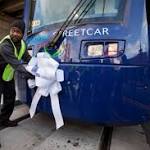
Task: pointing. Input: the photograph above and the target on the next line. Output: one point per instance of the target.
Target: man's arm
(26, 57)
(7, 52)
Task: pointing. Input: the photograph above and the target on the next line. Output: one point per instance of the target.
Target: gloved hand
(27, 75)
(24, 73)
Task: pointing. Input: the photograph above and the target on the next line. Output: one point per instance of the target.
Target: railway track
(105, 139)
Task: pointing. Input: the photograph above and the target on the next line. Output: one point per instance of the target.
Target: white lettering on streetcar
(86, 32)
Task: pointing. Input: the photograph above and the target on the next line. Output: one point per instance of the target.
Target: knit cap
(19, 24)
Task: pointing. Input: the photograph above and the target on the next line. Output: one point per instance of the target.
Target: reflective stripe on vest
(8, 73)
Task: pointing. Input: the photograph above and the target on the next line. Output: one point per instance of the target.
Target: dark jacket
(7, 57)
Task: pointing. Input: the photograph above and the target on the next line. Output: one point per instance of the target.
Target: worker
(13, 55)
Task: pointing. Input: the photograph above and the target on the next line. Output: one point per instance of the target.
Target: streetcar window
(47, 12)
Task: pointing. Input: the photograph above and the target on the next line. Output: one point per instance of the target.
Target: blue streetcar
(103, 50)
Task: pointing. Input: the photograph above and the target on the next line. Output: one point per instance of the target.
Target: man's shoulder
(5, 44)
(6, 47)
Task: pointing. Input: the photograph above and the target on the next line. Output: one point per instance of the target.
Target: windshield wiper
(84, 12)
(104, 5)
(58, 37)
(88, 4)
(67, 22)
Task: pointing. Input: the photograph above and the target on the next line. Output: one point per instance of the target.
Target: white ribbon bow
(47, 79)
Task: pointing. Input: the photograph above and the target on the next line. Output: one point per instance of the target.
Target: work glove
(24, 73)
(27, 75)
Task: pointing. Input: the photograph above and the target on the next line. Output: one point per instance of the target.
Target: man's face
(16, 34)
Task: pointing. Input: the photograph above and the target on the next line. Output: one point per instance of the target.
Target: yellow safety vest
(8, 73)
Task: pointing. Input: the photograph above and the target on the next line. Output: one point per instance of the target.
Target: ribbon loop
(47, 79)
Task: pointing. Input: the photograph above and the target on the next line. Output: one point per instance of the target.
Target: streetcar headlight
(95, 50)
(112, 49)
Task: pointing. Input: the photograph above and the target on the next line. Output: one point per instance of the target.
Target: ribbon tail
(34, 103)
(56, 110)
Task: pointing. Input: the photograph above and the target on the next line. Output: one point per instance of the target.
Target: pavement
(39, 133)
